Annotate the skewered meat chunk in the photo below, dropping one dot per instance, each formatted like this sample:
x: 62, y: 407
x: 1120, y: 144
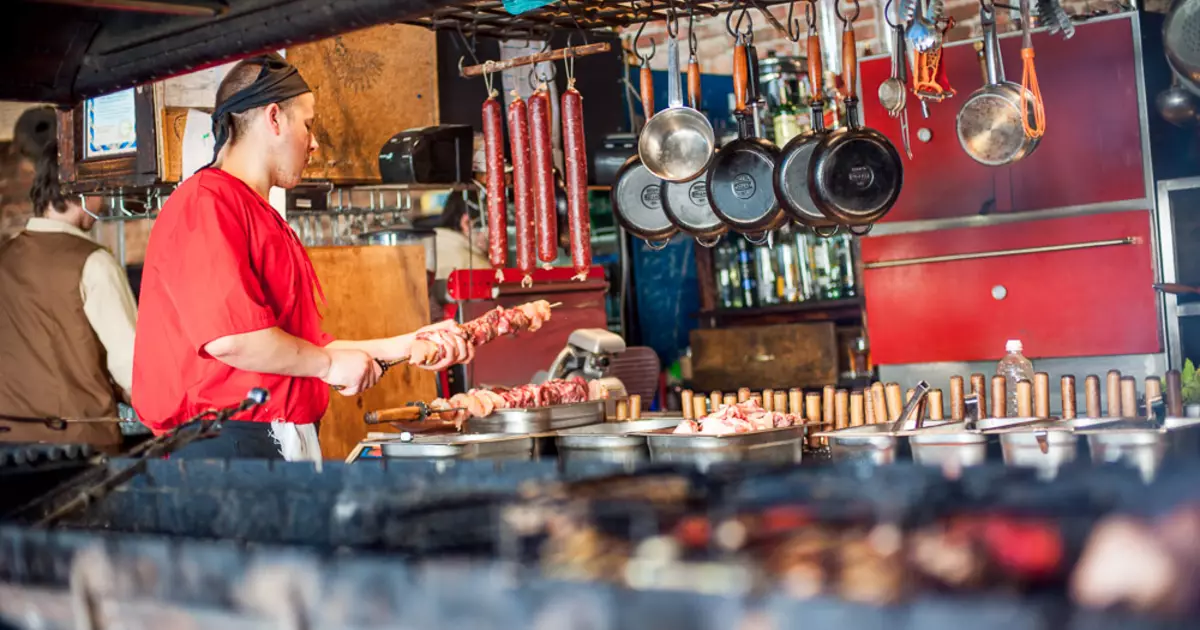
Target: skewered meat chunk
x: 482, y: 402
x: 429, y: 347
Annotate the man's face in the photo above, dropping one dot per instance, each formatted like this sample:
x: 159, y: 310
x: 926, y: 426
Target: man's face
x: 295, y: 141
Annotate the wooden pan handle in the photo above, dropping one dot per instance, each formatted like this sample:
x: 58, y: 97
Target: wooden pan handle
x: 693, y: 82
x: 394, y: 414
x: 857, y: 410
x: 1024, y: 399
x: 647, y: 81
x: 816, y: 78
x: 1041, y: 395
x: 958, y: 408
x: 999, y: 397
x: 1068, y: 397
x: 841, y: 414
x: 850, y: 60
x: 1113, y: 393
x: 934, y: 401
x: 980, y: 390
x: 1153, y: 394
x: 739, y: 76
x: 687, y: 403
x: 1129, y: 407
x: 1174, y: 394
x: 1091, y: 396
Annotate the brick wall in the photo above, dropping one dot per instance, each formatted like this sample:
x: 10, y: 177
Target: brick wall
x: 714, y: 45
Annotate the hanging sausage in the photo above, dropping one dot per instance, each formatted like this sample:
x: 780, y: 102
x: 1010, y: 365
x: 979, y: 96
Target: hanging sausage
x: 541, y: 153
x: 575, y: 161
x: 518, y: 137
x: 493, y: 152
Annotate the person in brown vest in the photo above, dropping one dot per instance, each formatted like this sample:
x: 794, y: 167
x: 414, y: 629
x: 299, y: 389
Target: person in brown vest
x: 67, y: 319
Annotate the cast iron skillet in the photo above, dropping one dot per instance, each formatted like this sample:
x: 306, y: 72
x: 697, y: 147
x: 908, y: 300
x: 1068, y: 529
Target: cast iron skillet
x: 791, y: 174
x: 686, y: 205
x: 855, y: 173
x: 637, y: 203
x: 739, y: 180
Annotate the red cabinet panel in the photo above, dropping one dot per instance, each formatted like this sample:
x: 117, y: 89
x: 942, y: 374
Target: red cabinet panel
x: 1092, y: 150
x: 1083, y: 302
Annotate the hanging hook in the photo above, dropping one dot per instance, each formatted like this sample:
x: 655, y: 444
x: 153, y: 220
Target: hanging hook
x: 672, y: 20
x: 793, y: 25
x: 837, y: 6
x: 736, y: 31
x: 637, y: 38
x: 574, y: 20
x: 810, y: 16
x: 887, y: 14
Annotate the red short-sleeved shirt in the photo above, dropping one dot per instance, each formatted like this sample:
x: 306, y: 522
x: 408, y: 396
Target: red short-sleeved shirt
x: 221, y: 261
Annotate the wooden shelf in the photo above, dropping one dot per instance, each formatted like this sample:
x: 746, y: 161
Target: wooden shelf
x: 790, y: 307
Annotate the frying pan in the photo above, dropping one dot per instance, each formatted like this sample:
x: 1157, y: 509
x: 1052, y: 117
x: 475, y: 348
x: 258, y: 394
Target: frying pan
x: 739, y: 180
x: 686, y: 205
x: 989, y: 124
x: 637, y: 194
x: 855, y: 173
x: 677, y: 143
x: 791, y: 173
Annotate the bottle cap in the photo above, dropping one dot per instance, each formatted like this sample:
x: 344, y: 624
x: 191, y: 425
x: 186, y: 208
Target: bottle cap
x: 1013, y: 345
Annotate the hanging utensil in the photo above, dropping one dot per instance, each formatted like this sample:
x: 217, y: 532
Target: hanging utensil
x: 855, y: 174
x: 1176, y: 105
x: 991, y: 123
x: 923, y: 34
x: 1031, y: 92
x: 739, y: 182
x: 693, y: 69
x: 792, y: 170
x: 637, y: 195
x: 894, y: 88
x: 686, y: 206
x: 677, y: 143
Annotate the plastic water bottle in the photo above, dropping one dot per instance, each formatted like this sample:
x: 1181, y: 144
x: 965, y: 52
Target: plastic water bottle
x: 1013, y: 367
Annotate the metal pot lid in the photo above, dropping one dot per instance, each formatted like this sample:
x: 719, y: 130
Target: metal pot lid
x: 686, y: 205
x: 791, y: 182
x: 637, y: 202
x: 857, y: 177
x: 740, y: 188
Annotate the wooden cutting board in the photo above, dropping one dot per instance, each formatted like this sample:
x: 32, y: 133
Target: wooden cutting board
x: 779, y: 357
x: 371, y: 292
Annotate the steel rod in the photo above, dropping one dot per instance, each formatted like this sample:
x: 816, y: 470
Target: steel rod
x: 1128, y: 240
x: 551, y: 55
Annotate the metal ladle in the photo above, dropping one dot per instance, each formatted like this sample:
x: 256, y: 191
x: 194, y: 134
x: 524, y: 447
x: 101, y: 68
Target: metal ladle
x: 1176, y: 105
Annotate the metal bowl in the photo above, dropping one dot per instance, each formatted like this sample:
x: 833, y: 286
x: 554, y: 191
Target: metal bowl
x: 677, y: 144
x: 948, y: 447
x: 872, y: 444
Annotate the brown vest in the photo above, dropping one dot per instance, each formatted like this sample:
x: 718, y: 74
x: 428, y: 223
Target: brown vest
x: 52, y: 364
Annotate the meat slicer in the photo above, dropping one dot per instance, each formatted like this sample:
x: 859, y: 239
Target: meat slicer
x: 587, y: 355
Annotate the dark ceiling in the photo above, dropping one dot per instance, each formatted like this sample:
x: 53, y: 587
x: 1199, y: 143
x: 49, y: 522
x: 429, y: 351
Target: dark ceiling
x: 63, y: 51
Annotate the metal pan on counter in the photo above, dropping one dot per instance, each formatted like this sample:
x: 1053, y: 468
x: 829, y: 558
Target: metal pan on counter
x: 1141, y: 443
x: 782, y: 445
x: 615, y: 442
x: 538, y: 419
x: 453, y: 446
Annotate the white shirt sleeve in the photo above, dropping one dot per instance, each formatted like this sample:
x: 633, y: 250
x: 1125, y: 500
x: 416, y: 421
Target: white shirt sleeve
x: 111, y: 310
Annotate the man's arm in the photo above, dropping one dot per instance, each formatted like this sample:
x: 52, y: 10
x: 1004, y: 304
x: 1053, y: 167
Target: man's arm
x: 270, y: 351
x: 112, y: 312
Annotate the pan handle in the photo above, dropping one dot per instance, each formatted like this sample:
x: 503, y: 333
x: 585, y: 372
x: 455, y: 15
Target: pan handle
x: 815, y: 72
x: 647, y: 85
x: 861, y: 230
x: 850, y: 60
x: 657, y: 246
x: 709, y: 242
x: 739, y: 75
x: 826, y: 231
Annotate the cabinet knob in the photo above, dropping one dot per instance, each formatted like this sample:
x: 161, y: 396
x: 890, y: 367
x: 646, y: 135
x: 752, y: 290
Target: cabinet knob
x: 999, y: 292
x: 924, y: 134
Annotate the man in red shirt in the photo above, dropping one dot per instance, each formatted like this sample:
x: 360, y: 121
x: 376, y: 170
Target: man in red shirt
x: 228, y: 299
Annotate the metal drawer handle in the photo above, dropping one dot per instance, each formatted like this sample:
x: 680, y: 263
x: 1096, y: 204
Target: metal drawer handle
x: 1128, y: 240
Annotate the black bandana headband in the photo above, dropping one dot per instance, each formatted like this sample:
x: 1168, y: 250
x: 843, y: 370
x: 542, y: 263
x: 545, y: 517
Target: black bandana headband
x: 277, y: 82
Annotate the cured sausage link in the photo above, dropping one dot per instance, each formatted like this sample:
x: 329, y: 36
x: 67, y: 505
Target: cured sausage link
x: 518, y: 137
x: 541, y: 155
x: 575, y: 160
x: 493, y: 152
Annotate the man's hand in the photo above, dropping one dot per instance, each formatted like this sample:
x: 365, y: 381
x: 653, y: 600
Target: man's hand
x: 353, y: 371
x: 458, y: 350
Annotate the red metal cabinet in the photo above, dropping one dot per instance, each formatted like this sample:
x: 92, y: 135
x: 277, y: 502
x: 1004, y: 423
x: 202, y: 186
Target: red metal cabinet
x: 1083, y: 302
x: 1092, y: 150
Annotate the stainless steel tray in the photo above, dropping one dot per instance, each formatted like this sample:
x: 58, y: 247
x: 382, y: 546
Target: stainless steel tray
x: 948, y: 446
x: 871, y: 443
x: 1142, y: 444
x: 460, y: 446
x: 538, y: 419
x: 612, y: 435
x: 784, y: 444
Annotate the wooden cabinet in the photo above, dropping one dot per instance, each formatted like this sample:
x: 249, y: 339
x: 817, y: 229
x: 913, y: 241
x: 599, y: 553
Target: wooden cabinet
x: 779, y: 356
x: 396, y: 302
x: 1085, y: 300
x: 1092, y: 150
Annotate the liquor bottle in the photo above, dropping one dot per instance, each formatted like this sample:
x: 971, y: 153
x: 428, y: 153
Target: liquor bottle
x: 827, y: 282
x: 745, y: 260
x: 722, y: 272
x: 789, y: 273
x: 805, y: 266
x: 764, y: 264
x: 849, y: 266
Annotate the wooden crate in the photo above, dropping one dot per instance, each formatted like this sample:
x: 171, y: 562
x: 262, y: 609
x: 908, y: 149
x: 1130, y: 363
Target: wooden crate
x: 780, y: 356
